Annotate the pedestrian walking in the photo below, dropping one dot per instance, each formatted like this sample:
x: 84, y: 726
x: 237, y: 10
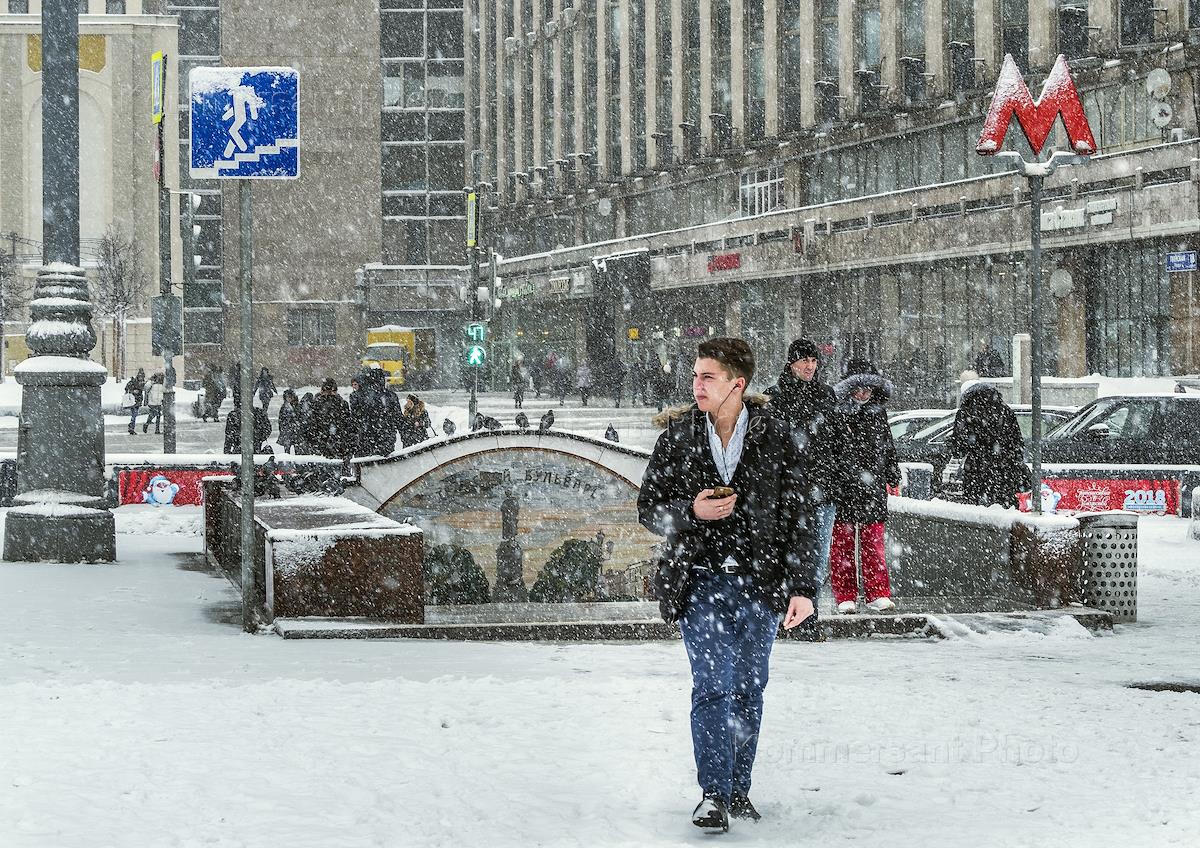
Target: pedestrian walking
x: 810, y: 406
x: 264, y: 387
x: 305, y: 421
x: 724, y: 487
x: 211, y: 389
x: 517, y: 378
x: 289, y: 421
x: 617, y: 377
x: 637, y: 381
x: 154, y: 403
x: 233, y: 429
x: 131, y: 400
x: 414, y: 422
x: 988, y: 363
x: 583, y: 380
x: 537, y: 376
x: 869, y: 466
x: 988, y: 438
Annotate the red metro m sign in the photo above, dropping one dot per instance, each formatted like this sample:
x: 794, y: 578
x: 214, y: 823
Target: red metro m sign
x: 1036, y: 117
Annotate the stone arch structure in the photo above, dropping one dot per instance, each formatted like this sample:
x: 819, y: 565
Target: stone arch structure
x: 381, y: 480
x: 514, y: 500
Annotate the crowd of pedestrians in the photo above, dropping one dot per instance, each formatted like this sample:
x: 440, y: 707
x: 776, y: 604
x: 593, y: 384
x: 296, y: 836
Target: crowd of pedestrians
x: 645, y: 379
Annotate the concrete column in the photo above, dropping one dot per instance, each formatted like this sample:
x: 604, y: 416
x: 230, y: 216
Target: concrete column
x: 557, y: 72
x: 534, y: 80
x: 503, y: 67
x: 1022, y: 366
x: 771, y: 61
x: 847, y: 56
x: 808, y: 66
x: 737, y: 67
x: 650, y: 18
x: 677, y: 82
x: 1043, y: 45
x: 889, y: 48
x: 706, y: 75
x: 1103, y: 15
x: 520, y: 64
x: 601, y: 104
x: 625, y: 92
x: 1176, y: 19
x: 577, y: 37
x: 935, y: 48
x: 987, y: 41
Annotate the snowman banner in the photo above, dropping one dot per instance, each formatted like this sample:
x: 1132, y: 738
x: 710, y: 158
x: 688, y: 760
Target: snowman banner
x: 162, y: 486
x: 1148, y: 497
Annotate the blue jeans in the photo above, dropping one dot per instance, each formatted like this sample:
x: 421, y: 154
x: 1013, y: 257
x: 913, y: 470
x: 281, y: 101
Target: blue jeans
x: 728, y: 633
x: 825, y: 515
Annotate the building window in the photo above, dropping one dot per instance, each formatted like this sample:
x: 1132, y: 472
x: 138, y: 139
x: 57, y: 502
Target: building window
x: 83, y: 7
x: 756, y: 72
x: 722, y: 72
x: 761, y: 191
x: 1137, y: 22
x: 612, y: 62
x: 1014, y: 35
x: 791, y: 51
x: 114, y: 7
x: 866, y: 74
x: 402, y: 35
x: 637, y: 60
x: 666, y: 82
x: 689, y: 121
x: 961, y: 31
x: 827, y: 61
x: 18, y: 7
x: 199, y: 30
x: 1072, y: 29
x: 1193, y: 19
x: 310, y: 326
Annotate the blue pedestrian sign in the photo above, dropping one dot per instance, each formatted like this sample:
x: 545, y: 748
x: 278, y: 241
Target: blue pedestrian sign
x: 1183, y: 260
x: 244, y: 123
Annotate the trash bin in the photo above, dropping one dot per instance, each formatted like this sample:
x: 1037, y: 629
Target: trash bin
x: 1110, y: 562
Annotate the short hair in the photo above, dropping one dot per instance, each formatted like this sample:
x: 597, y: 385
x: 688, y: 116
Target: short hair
x: 735, y: 355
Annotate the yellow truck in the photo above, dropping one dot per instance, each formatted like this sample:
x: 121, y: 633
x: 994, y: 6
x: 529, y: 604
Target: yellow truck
x: 408, y: 354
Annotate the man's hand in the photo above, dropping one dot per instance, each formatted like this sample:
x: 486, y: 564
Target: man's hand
x: 708, y: 508
x: 799, y: 608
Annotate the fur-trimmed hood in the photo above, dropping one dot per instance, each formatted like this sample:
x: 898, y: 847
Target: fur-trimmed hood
x: 676, y: 413
x: 881, y: 387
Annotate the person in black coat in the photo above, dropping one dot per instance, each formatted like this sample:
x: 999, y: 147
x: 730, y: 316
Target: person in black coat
x: 289, y: 422
x: 809, y: 405
x: 330, y: 431
x: 987, y: 436
x: 869, y: 466
x: 731, y: 563
x: 233, y: 429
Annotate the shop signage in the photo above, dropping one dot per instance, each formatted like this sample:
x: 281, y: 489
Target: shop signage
x: 1156, y: 497
x: 695, y: 332
x: 1182, y: 260
x: 560, y: 285
x: 1036, y: 117
x: 724, y: 262
x: 516, y: 290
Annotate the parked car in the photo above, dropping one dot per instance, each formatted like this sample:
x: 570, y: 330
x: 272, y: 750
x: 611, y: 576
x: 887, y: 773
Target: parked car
x: 908, y: 421
x: 929, y: 443
x: 1130, y: 429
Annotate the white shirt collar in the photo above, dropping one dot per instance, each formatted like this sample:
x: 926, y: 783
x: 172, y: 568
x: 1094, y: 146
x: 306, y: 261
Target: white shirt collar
x: 727, y: 457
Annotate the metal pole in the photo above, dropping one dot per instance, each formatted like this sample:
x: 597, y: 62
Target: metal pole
x: 1035, y: 348
x: 473, y: 257
x: 60, y: 140
x: 164, y: 270
x: 245, y: 402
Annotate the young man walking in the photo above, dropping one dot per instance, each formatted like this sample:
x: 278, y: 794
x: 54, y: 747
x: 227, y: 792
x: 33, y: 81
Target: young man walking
x: 725, y: 486
x: 810, y: 406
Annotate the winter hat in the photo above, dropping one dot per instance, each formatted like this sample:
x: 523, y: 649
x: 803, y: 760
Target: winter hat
x: 802, y: 349
x: 858, y: 366
x: 329, y: 384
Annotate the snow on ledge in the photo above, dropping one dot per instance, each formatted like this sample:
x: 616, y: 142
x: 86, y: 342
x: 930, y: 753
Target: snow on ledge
x: 992, y: 516
x: 55, y: 364
x: 366, y: 530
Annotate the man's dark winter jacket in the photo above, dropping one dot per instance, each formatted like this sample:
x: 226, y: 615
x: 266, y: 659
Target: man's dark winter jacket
x: 869, y: 463
x: 233, y: 430
x: 810, y: 407
x: 987, y: 435
x: 329, y: 428
x: 770, y: 531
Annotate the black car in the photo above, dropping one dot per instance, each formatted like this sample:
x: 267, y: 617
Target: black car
x: 1130, y: 430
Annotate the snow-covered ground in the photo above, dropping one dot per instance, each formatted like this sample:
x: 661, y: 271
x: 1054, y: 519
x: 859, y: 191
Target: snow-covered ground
x: 134, y: 712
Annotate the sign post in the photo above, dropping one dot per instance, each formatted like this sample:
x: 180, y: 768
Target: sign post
x: 1036, y: 119
x: 167, y: 340
x: 245, y: 125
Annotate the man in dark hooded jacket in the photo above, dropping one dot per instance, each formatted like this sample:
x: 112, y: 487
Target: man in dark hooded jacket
x: 987, y: 436
x: 330, y: 432
x: 800, y: 398
x: 732, y: 562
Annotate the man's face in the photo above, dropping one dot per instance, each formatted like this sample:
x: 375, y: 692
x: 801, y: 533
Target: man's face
x: 713, y: 386
x: 862, y: 394
x: 805, y: 368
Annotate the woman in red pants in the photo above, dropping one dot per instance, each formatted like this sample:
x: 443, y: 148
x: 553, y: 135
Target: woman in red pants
x: 869, y: 464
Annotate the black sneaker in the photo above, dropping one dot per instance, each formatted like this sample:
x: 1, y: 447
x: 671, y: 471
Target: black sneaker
x: 710, y: 814
x: 741, y: 808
